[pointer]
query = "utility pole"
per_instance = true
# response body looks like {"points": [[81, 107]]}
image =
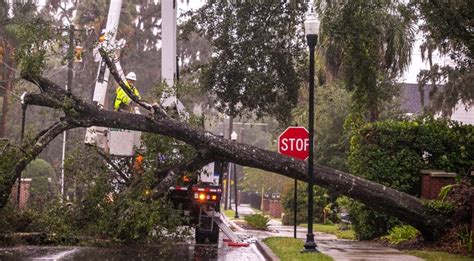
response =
{"points": [[227, 185], [22, 135], [70, 76]]}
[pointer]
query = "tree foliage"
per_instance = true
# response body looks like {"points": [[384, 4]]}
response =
{"points": [[368, 45], [43, 181], [331, 110], [393, 153], [256, 48], [447, 29], [256, 180], [78, 113]]}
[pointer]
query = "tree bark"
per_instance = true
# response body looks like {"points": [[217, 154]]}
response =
{"points": [[407, 208], [79, 113]]}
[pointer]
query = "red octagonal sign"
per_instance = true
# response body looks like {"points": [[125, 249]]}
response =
{"points": [[294, 142]]}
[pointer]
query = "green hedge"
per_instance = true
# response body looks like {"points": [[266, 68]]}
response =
{"points": [[393, 153]]}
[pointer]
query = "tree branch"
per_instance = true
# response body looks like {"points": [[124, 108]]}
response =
{"points": [[31, 152], [172, 174], [114, 166], [154, 108], [401, 205]]}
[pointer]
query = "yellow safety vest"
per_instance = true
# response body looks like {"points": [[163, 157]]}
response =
{"points": [[122, 99]]}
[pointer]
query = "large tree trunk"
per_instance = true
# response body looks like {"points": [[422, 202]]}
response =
{"points": [[407, 208]]}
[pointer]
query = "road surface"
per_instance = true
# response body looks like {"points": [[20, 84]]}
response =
{"points": [[178, 251]]}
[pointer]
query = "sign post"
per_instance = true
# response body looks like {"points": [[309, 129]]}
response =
{"points": [[294, 142]]}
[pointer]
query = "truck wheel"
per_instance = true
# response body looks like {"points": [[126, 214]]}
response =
{"points": [[200, 236], [207, 237], [214, 235]]}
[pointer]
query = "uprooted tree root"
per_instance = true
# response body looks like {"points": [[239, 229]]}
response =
{"points": [[459, 238]]}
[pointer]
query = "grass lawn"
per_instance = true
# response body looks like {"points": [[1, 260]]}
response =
{"points": [[333, 229], [229, 213], [438, 256], [287, 248]]}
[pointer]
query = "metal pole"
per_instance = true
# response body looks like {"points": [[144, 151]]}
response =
{"points": [[70, 75], [227, 186], [231, 126], [62, 165], [22, 135], [295, 208], [310, 244], [235, 177], [235, 191]]}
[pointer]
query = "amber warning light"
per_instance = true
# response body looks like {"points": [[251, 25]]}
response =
{"points": [[204, 196]]}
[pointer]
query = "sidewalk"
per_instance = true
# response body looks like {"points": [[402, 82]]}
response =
{"points": [[339, 249]]}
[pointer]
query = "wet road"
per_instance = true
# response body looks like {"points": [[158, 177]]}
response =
{"points": [[179, 251]]}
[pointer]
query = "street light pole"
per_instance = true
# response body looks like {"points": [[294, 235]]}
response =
{"points": [[311, 27], [233, 137], [227, 203]]}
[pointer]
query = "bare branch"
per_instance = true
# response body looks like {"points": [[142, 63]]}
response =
{"points": [[114, 166], [154, 108], [172, 174]]}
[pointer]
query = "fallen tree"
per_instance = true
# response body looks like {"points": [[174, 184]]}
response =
{"points": [[79, 113], [209, 147]]}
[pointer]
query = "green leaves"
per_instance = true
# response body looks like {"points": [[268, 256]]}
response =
{"points": [[393, 153], [402, 233], [257, 221], [35, 39], [405, 148], [367, 44], [447, 27], [255, 50]]}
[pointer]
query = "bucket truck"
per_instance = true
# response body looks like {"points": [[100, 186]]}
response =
{"points": [[198, 198]]}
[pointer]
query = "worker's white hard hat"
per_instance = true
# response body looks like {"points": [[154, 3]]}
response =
{"points": [[131, 76]]}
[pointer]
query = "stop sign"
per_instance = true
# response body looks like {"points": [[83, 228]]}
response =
{"points": [[294, 142]]}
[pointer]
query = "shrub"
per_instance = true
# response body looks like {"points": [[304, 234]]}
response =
{"points": [[43, 182], [369, 224], [401, 234], [393, 153], [439, 207], [14, 220], [257, 221]]}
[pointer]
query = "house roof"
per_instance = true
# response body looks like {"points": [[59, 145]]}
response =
{"points": [[410, 102], [410, 97]]}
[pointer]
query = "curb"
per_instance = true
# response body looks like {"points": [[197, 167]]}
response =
{"points": [[228, 221], [266, 251]]}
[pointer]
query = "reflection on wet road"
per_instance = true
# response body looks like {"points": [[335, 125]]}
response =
{"points": [[179, 251]]}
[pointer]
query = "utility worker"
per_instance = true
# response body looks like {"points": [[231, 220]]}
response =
{"points": [[122, 101], [137, 164]]}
